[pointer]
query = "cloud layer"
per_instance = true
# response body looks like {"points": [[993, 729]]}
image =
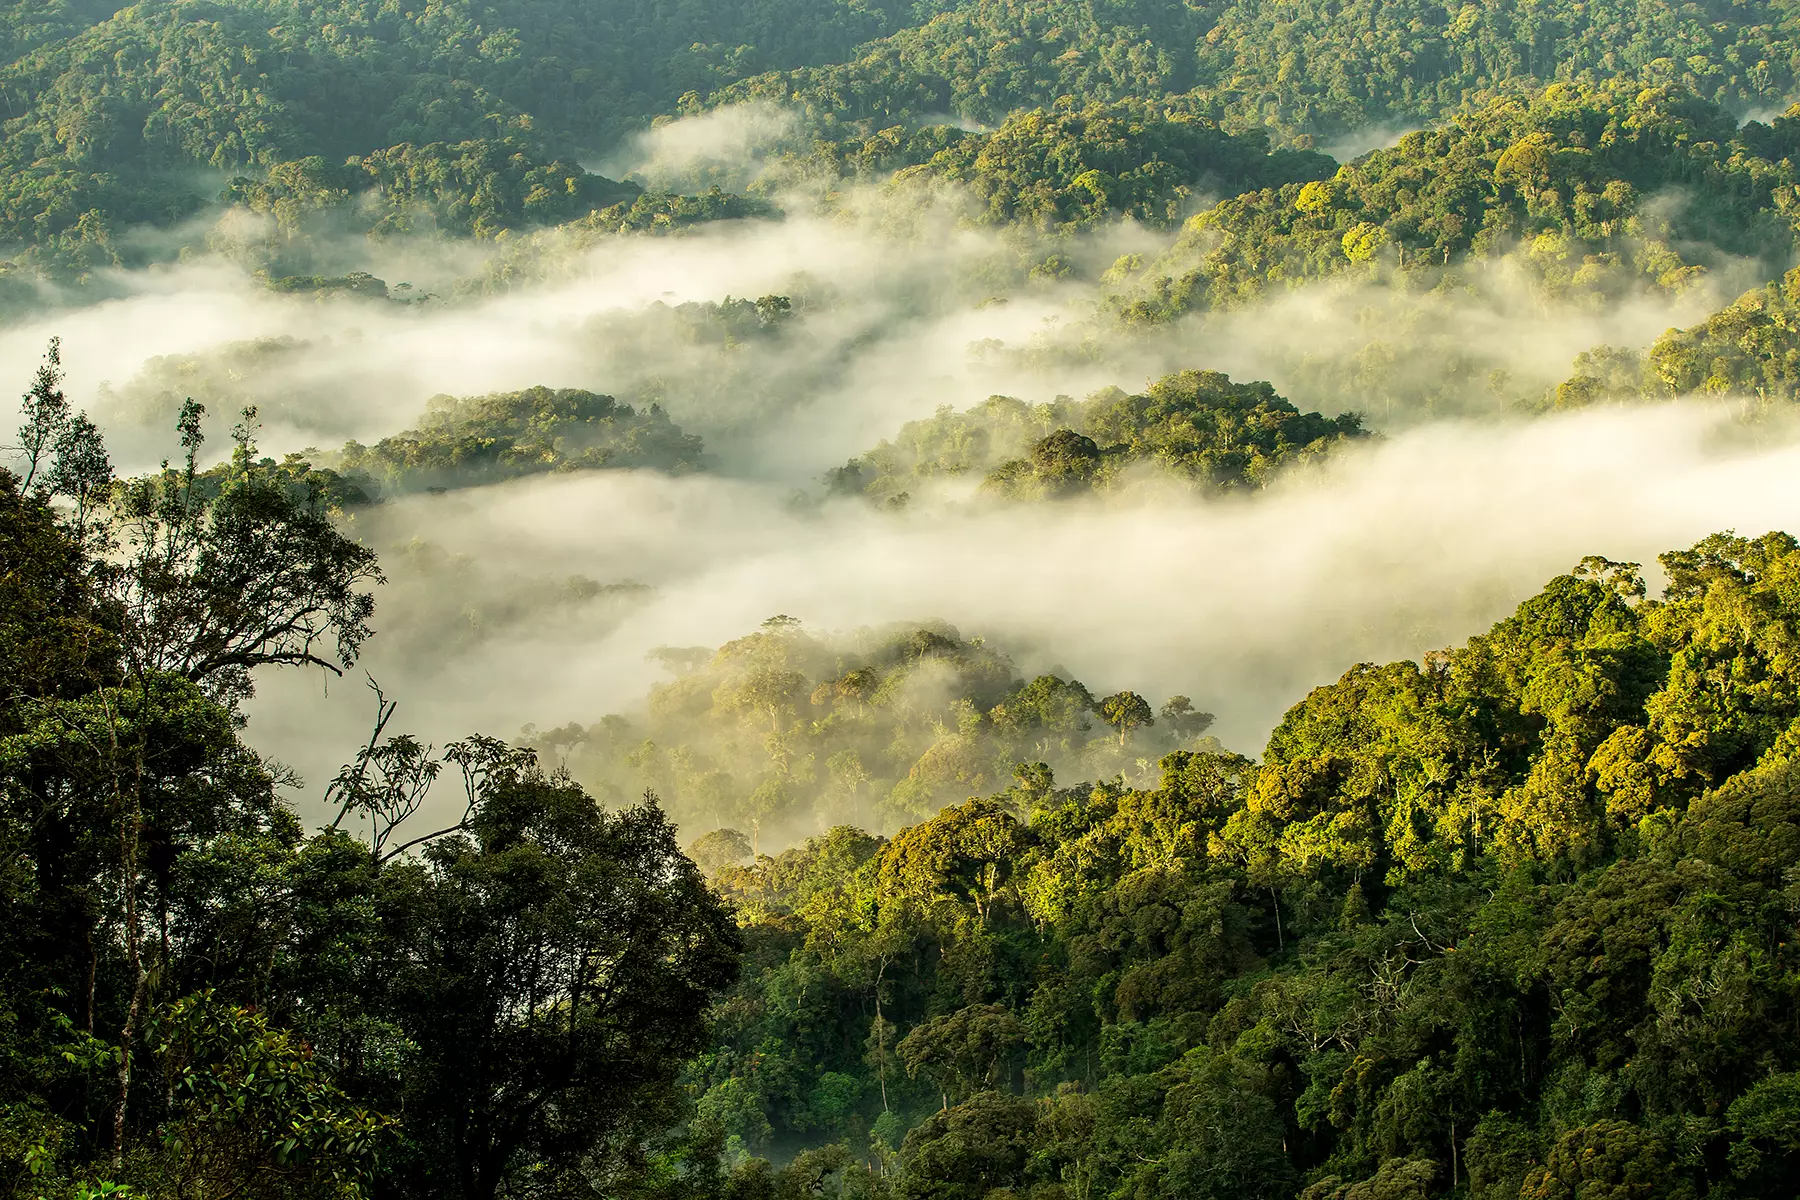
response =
{"points": [[1244, 605], [1409, 543]]}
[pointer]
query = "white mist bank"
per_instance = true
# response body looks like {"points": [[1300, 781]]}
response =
{"points": [[1244, 605], [1403, 546], [888, 338], [903, 310]]}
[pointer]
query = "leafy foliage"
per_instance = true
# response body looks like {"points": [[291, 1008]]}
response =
{"points": [[1514, 921], [1196, 426], [484, 439], [256, 1113], [1567, 173]]}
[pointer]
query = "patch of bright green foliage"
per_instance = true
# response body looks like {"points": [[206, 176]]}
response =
{"points": [[1515, 921], [1195, 426], [1599, 187]]}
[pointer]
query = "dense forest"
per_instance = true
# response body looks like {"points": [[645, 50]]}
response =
{"points": [[1195, 426], [1513, 921], [900, 600]]}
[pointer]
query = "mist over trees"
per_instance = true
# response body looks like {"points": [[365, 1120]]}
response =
{"points": [[657, 601]]}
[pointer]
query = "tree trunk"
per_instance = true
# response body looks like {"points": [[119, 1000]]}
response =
{"points": [[140, 981], [880, 1031], [131, 830], [93, 970]]}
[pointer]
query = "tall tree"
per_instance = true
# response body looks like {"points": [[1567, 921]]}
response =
{"points": [[553, 965]]}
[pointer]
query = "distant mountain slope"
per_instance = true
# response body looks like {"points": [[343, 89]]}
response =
{"points": [[1306, 69], [143, 114], [109, 114], [1598, 186]]}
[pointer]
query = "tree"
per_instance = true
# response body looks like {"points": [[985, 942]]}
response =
{"points": [[57, 637], [770, 693], [255, 1115], [1606, 1158], [968, 852], [1066, 463], [1178, 713], [1219, 1131], [970, 1151], [720, 849], [965, 1051], [65, 456], [769, 798], [1126, 711], [220, 579], [1396, 1179], [553, 965], [879, 1046], [45, 412]]}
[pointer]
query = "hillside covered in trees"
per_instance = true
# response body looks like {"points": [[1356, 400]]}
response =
{"points": [[1512, 921], [1443, 938], [1301, 70], [1196, 427], [1086, 687]]}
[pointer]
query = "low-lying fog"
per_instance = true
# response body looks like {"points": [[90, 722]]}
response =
{"points": [[1411, 542], [1244, 605]]}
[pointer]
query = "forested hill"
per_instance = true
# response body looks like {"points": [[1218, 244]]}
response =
{"points": [[1515, 921], [114, 114], [694, 307], [1307, 70], [116, 117]]}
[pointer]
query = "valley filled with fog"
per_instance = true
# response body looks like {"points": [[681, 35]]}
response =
{"points": [[1427, 532], [899, 600]]}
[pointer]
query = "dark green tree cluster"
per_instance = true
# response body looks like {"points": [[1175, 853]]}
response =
{"points": [[1195, 426], [1070, 167], [110, 110], [197, 998], [1565, 174], [1516, 922], [486, 439]]}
